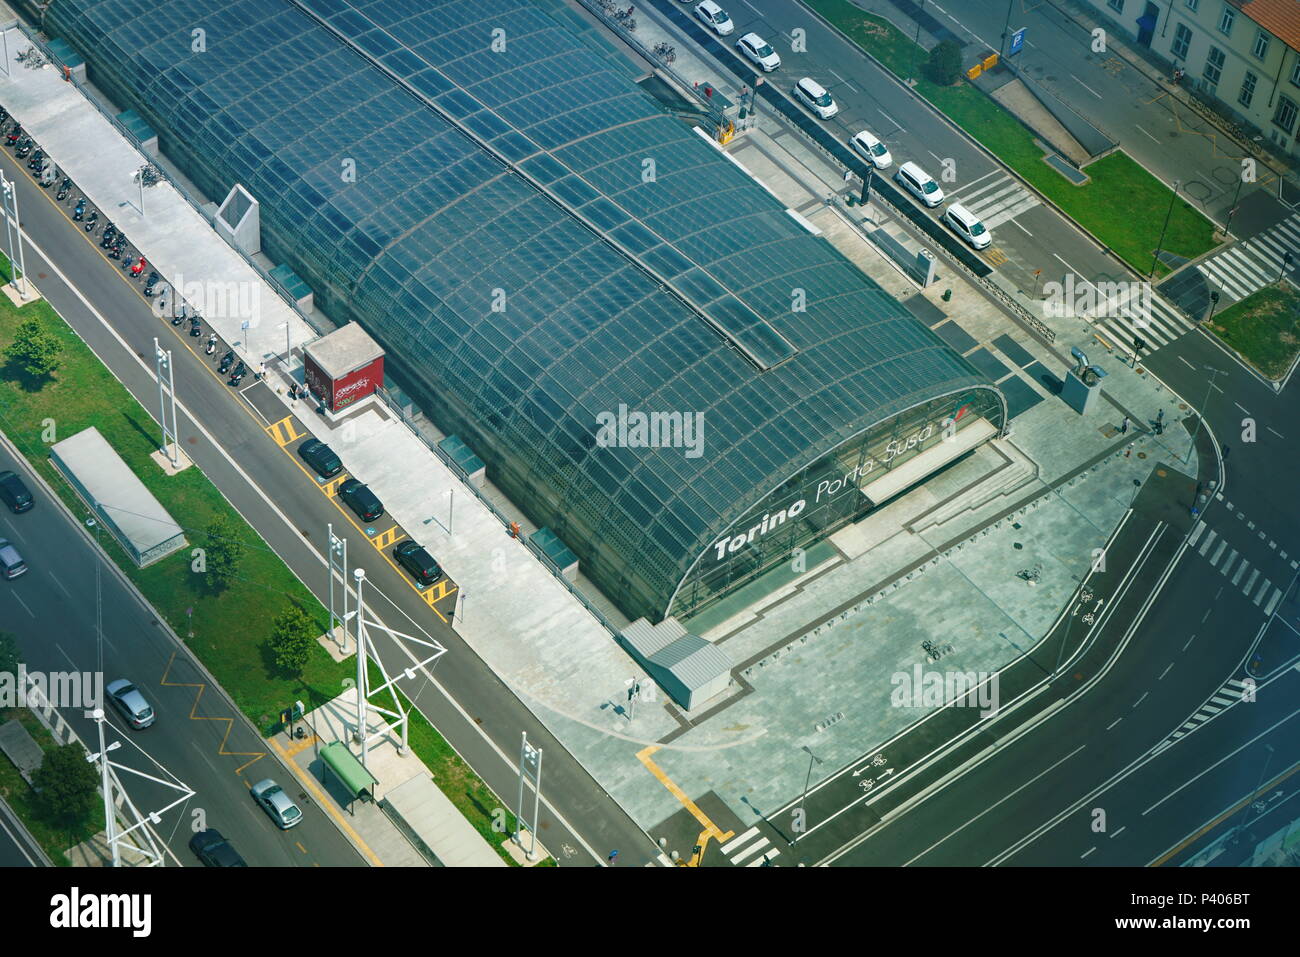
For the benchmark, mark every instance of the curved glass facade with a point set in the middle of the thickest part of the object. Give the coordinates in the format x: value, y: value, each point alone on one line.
x: 536, y: 243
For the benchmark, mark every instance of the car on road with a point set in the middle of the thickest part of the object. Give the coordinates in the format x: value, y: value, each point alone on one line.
x: 412, y: 556
x: 15, y: 493
x: 276, y: 803
x: 816, y: 97
x: 919, y: 183
x: 361, y: 500
x: 214, y: 850
x: 967, y: 225
x: 321, y: 457
x: 758, y: 52
x: 11, y: 563
x: 866, y: 145
x: 714, y: 17
x: 127, y: 698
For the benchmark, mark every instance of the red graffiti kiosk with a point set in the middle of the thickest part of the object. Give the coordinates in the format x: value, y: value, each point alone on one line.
x: 343, y: 367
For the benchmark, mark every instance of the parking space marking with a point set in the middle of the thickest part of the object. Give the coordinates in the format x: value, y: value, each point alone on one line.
x: 283, y: 432
x: 390, y: 537
x: 436, y: 592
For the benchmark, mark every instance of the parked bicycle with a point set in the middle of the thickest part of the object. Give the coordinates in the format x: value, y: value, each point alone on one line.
x: 665, y: 52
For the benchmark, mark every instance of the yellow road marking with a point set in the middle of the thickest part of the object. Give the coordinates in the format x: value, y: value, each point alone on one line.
x: 300, y: 746
x: 390, y: 537
x: 326, y: 804
x: 997, y: 256
x: 331, y: 488
x: 709, y: 827
x: 283, y: 431
x: 437, y: 592
x: 230, y: 722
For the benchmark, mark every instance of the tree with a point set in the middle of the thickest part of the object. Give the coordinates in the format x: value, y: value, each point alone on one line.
x: 34, y: 350
x: 67, y: 782
x: 292, y: 635
x: 944, y: 64
x: 224, y: 552
x: 9, y: 657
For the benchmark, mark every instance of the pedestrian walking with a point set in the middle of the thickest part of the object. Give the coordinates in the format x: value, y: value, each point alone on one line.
x: 1160, y: 422
x: 1196, y: 512
x: 613, y: 855
x: 1123, y: 426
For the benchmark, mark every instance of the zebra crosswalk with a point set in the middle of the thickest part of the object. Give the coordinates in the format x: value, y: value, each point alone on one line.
x: 1138, y: 311
x: 996, y: 201
x: 1238, y: 689
x: 1255, y: 262
x: 1250, y: 581
x: 750, y: 849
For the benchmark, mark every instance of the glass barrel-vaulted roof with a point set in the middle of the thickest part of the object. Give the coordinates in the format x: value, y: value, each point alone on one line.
x: 500, y: 160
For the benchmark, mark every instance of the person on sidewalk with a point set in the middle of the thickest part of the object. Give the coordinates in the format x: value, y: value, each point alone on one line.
x: 1160, y: 422
x: 1123, y: 426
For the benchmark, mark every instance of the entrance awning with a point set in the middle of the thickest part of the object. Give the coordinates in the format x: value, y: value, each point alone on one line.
x: 932, y: 459
x: 347, y: 769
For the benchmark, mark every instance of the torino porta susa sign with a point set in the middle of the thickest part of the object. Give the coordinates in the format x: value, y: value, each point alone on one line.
x: 825, y: 488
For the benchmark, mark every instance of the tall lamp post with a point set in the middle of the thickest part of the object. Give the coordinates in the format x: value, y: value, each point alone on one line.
x: 812, y: 759
x: 1161, y: 245
x: 1201, y: 416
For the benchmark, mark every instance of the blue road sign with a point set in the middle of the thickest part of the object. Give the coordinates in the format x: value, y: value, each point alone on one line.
x: 1017, y: 41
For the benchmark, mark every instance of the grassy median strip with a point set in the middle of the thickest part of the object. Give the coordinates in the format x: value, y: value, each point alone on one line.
x: 1264, y: 328
x: 230, y: 626
x: 1122, y: 204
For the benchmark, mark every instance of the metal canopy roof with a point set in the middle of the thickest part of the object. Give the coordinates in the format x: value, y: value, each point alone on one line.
x: 518, y: 175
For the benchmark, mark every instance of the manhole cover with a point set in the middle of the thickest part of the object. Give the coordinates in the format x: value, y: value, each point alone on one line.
x: 1161, y: 472
x: 1142, y: 455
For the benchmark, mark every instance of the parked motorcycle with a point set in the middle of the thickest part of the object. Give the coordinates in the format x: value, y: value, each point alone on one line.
x: 14, y: 135
x: 110, y: 234
x: 64, y: 189
x: 24, y: 148
x: 37, y: 159
x: 237, y: 376
x: 226, y: 361
x: 212, y: 344
x: 92, y: 221
x: 151, y: 283
x: 138, y: 268
x: 196, y: 327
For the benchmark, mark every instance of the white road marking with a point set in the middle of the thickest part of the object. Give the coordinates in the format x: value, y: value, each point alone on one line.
x: 1162, y: 674
x: 1088, y: 88
x: 1146, y: 134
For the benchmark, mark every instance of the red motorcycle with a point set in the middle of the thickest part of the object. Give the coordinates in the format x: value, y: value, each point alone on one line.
x: 138, y: 267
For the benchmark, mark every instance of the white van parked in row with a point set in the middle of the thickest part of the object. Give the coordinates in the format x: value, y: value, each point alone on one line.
x: 871, y: 149
x: 919, y: 183
x: 966, y: 225
x: 816, y: 97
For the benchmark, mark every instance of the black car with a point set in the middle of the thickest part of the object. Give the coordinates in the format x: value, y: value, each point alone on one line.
x: 321, y: 457
x: 214, y: 850
x: 361, y: 500
x: 15, y: 494
x: 412, y: 556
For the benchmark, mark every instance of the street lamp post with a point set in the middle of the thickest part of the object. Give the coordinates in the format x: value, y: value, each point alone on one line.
x: 1161, y: 245
x: 1287, y: 259
x: 812, y: 758
x: 916, y: 44
x: 14, y: 234
x: 1214, y: 304
x: 1002, y: 50
x: 1251, y: 798
x: 1199, y: 418
x: 163, y: 366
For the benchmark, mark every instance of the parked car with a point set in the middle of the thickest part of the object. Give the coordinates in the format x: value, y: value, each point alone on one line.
x: 967, y: 225
x: 127, y: 698
x: 15, y: 493
x: 919, y: 183
x: 413, y: 557
x: 758, y: 52
x: 361, y: 500
x: 276, y: 803
x: 816, y: 97
x: 321, y: 457
x: 714, y: 17
x: 214, y: 850
x: 11, y: 563
x: 866, y: 145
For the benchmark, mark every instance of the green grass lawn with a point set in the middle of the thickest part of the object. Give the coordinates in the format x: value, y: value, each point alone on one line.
x: 229, y: 626
x: 1264, y: 328
x: 1123, y: 205
x: 54, y: 837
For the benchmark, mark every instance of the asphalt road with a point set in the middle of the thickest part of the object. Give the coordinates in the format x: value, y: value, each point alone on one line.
x: 465, y: 701
x: 17, y: 847
x: 72, y: 611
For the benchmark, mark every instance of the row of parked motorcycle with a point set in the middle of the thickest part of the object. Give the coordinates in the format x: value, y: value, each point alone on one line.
x: 113, y: 241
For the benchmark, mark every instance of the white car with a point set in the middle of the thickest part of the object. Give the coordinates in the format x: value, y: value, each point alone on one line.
x: 919, y: 183
x: 758, y: 52
x: 816, y: 97
x: 714, y: 17
x: 871, y: 149
x: 967, y: 225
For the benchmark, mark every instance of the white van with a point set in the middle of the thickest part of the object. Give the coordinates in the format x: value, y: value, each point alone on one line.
x: 816, y: 97
x: 966, y: 225
x: 919, y: 183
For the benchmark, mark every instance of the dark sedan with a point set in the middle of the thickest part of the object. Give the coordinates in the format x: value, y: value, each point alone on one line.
x: 412, y: 556
x: 321, y: 457
x: 361, y: 500
x: 214, y: 850
x: 15, y: 493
